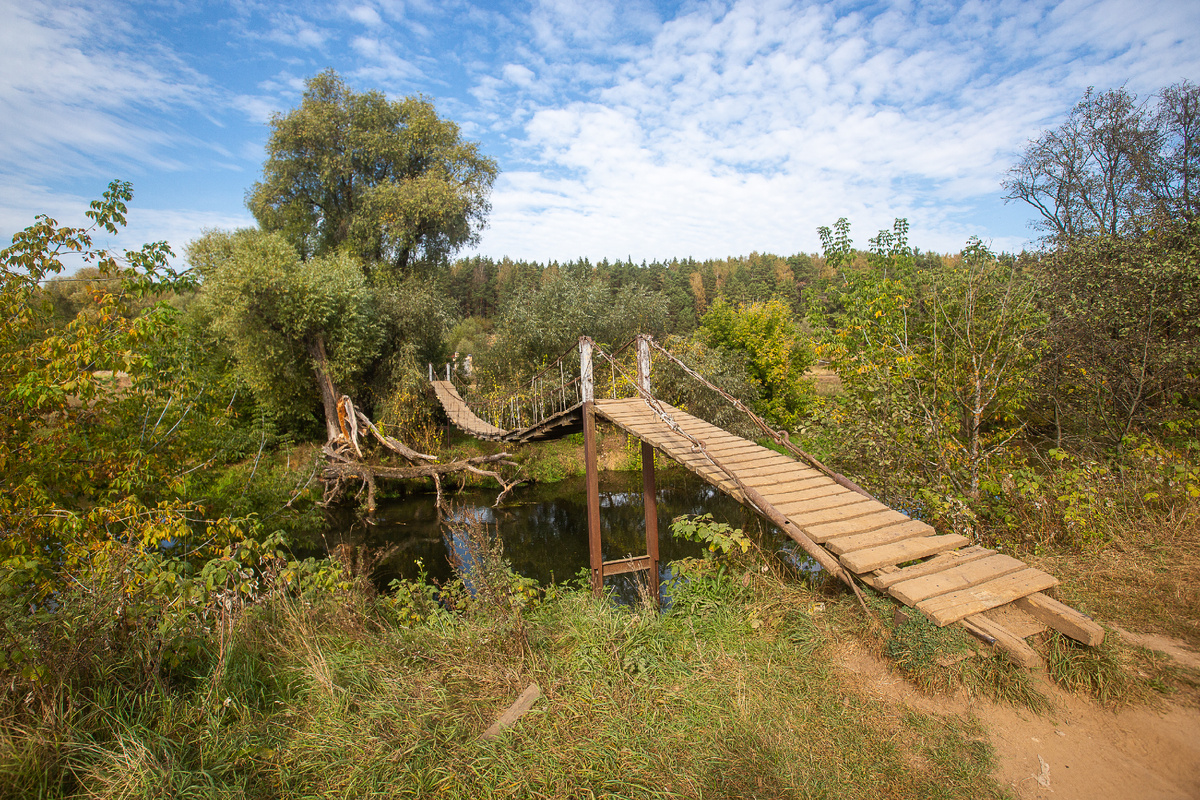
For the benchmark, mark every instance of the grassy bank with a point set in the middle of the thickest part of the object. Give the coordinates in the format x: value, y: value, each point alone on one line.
x: 739, y: 690
x: 733, y: 693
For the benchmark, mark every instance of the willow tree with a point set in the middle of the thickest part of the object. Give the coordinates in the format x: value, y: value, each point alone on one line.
x: 300, y: 331
x: 387, y: 181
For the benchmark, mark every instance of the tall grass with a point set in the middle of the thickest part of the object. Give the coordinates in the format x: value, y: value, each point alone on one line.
x: 334, y: 698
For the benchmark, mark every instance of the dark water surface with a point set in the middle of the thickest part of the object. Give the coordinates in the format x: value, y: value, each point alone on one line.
x: 544, y: 526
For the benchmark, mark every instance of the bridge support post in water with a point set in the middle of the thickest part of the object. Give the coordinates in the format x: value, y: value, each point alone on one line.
x: 649, y: 491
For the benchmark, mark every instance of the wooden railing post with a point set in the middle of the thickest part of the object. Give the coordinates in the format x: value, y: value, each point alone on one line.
x: 643, y: 363
x: 587, y: 395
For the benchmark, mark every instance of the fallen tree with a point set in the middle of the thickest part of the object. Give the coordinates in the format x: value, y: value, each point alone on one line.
x: 346, y: 462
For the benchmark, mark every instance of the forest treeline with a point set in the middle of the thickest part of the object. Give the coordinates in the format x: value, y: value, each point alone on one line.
x: 163, y: 416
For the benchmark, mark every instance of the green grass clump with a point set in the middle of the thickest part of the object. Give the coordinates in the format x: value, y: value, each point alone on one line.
x: 1113, y: 672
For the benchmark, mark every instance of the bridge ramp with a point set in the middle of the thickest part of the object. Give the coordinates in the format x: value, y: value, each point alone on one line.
x: 941, y: 575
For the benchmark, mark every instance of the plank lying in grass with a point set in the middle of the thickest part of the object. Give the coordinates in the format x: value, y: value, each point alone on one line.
x: 517, y: 710
x: 1004, y: 640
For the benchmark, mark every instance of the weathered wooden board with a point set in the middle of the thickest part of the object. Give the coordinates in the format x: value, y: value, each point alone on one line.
x: 803, y: 516
x: 815, y: 504
x: 1015, y: 620
x: 888, y: 576
x: 1004, y: 640
x: 952, y: 607
x: 823, y: 532
x: 972, y: 573
x: 1062, y: 618
x: 791, y: 494
x: 875, y: 557
x: 518, y: 709
x: 892, y: 533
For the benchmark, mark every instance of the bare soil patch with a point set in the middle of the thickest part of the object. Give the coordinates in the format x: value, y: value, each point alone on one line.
x: 1077, y: 751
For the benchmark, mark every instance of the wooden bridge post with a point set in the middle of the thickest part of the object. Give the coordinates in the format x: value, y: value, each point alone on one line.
x: 587, y: 388
x: 649, y: 490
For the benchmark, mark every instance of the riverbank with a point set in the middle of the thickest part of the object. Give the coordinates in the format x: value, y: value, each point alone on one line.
x: 755, y: 684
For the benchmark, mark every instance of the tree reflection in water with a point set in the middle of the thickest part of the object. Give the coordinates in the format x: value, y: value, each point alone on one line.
x: 544, y: 527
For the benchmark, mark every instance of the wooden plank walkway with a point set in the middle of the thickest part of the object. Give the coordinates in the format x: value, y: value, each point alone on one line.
x: 463, y: 417
x: 994, y: 596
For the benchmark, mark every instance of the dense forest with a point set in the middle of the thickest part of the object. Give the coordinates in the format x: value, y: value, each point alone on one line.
x: 164, y: 415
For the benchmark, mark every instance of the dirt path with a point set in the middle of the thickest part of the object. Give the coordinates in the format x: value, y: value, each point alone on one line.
x: 1077, y: 751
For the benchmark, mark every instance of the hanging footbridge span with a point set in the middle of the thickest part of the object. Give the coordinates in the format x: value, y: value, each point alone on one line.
x: 996, y: 597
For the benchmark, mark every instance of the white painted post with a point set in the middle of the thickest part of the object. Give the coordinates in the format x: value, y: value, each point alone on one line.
x: 643, y: 363
x: 587, y: 386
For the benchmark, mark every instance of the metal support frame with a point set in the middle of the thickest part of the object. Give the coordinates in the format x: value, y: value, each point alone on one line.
x: 649, y: 562
x: 587, y: 390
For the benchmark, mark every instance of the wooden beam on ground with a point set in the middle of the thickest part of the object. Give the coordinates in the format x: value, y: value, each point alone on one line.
x: 952, y: 607
x: 1062, y: 618
x: 1015, y: 620
x: 1004, y: 640
x: 518, y: 709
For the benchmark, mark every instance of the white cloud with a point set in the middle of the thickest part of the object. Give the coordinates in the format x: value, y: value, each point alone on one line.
x: 66, y: 99
x: 744, y: 126
x: 365, y: 15
x: 176, y: 226
x: 383, y: 64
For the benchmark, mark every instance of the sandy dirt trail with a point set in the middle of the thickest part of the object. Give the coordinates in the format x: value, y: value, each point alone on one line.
x: 1077, y: 751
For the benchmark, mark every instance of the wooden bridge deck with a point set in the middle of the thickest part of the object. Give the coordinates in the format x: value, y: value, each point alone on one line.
x: 996, y: 597
x: 556, y: 426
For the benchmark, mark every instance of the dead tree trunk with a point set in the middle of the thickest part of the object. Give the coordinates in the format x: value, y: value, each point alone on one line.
x: 329, y: 393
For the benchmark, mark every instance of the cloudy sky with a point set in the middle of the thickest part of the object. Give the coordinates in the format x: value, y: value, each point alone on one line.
x: 622, y: 129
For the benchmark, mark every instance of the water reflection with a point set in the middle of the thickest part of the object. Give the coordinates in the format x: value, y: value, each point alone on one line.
x: 544, y: 527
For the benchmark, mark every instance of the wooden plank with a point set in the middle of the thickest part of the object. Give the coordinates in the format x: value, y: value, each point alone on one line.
x: 875, y: 557
x: 768, y: 474
x: 1062, y: 618
x: 804, y: 512
x: 791, y: 494
x: 752, y: 462
x: 981, y: 570
x: 814, y: 504
x: 784, y: 478
x: 892, y: 533
x: 622, y: 565
x: 1014, y: 620
x: 935, y: 564
x: 517, y: 710
x: 952, y: 607
x: 1004, y: 640
x: 856, y: 524
x: 732, y: 445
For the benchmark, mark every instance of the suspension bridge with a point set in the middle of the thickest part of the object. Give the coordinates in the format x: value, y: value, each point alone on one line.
x: 854, y: 537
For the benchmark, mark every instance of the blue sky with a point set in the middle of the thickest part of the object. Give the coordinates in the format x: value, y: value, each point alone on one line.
x: 622, y: 129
